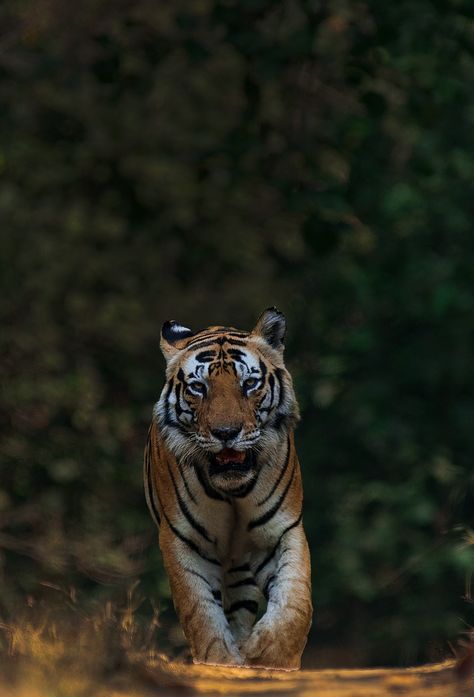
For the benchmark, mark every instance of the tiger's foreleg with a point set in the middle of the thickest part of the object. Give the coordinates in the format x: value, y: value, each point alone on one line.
x: 242, y: 601
x: 196, y: 591
x: 279, y: 637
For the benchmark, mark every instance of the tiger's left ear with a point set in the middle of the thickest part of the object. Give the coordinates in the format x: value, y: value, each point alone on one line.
x: 172, y: 338
x: 271, y: 326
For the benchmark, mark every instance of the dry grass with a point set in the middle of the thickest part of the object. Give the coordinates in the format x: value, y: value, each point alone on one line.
x: 65, y: 650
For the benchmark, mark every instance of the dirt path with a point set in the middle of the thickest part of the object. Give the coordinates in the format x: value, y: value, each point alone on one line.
x: 438, y: 680
x: 88, y: 670
x: 167, y: 679
x: 108, y: 653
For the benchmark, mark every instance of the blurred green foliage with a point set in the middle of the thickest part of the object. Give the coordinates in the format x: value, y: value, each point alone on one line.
x: 203, y: 159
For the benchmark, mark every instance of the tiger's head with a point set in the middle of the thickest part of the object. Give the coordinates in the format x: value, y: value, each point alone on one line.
x: 228, y: 400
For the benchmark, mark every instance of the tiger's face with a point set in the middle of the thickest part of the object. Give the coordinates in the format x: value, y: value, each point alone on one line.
x: 228, y: 398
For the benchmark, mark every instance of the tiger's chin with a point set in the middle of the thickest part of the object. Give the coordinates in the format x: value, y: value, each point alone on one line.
x: 232, y: 471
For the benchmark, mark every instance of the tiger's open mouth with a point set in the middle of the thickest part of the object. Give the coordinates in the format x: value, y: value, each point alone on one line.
x: 230, y: 461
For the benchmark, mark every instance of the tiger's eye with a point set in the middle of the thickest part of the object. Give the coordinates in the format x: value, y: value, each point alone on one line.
x: 250, y: 383
x: 198, y: 387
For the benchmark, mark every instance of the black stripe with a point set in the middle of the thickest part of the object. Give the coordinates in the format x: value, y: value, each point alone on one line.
x: 270, y: 556
x: 209, y: 647
x: 236, y: 332
x: 216, y: 594
x: 208, y: 489
x: 165, y: 419
x: 149, y: 488
x: 170, y: 387
x: 190, y: 543
x: 177, y: 394
x: 189, y: 615
x: 153, y: 508
x: 206, y: 356
x: 286, y: 563
x: 234, y: 368
x: 210, y: 601
x: 266, y: 588
x: 271, y: 382
x: 279, y: 420
x: 212, y: 342
x: 235, y: 569
x: 245, y: 489
x: 179, y: 391
x: 279, y: 374
x: 186, y: 512
x: 216, y: 332
x: 185, y: 482
x: 196, y: 573
x: 168, y: 421
x: 234, y: 342
x: 202, y: 344
x: 243, y: 582
x: 250, y: 605
x: 237, y: 354
x: 280, y: 476
x: 273, y: 510
x: 201, y: 336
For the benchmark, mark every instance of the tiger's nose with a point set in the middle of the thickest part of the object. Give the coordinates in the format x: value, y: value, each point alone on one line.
x: 225, y: 433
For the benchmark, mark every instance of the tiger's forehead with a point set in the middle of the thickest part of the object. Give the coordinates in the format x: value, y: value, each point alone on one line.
x: 215, y: 351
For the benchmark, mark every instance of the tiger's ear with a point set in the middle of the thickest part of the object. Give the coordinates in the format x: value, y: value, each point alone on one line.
x: 271, y: 326
x: 172, y: 338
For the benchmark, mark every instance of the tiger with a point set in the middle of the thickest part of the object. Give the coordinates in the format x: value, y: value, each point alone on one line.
x: 223, y: 485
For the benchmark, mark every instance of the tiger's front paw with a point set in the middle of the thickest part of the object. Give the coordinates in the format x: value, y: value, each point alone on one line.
x: 269, y: 647
x: 218, y: 652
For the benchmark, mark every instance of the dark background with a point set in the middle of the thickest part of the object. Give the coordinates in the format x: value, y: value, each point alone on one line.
x: 201, y: 160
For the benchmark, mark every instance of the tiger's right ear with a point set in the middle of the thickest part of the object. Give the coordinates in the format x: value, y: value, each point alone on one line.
x: 271, y: 327
x: 172, y: 338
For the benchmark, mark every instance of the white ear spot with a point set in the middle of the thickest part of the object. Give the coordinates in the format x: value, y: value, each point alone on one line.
x: 180, y: 330
x: 172, y: 331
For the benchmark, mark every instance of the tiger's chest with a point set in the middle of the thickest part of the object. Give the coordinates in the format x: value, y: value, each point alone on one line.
x: 237, y: 528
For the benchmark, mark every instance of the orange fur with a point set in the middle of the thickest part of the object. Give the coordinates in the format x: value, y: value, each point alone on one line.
x: 223, y: 483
